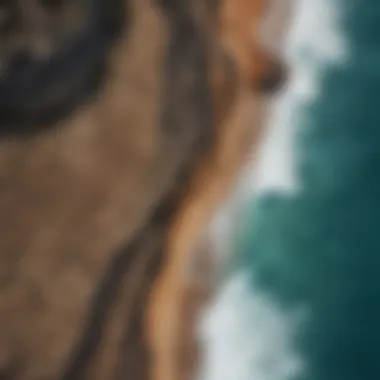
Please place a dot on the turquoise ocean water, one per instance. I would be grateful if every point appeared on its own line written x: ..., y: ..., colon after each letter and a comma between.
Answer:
x: 302, y: 300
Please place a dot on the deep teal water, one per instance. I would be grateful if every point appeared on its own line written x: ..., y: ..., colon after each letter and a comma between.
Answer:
x: 321, y: 248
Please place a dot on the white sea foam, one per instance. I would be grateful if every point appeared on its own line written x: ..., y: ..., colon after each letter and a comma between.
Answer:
x: 246, y: 337
x: 315, y: 41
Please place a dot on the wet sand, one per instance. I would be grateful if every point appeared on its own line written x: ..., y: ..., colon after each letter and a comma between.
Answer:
x: 203, y: 270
